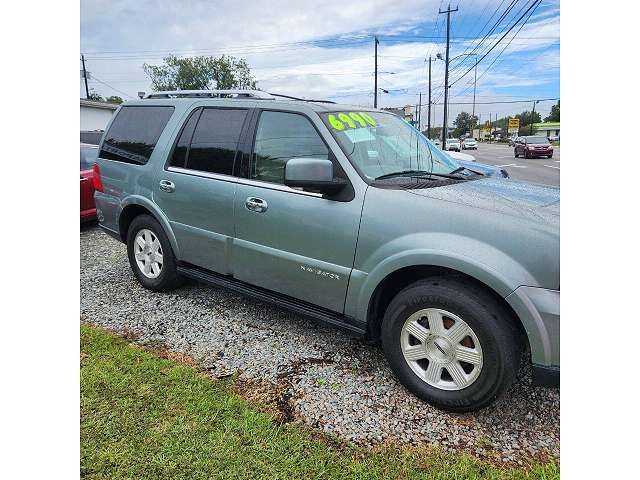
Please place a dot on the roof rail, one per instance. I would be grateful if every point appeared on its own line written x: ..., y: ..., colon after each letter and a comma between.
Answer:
x: 300, y: 99
x: 253, y: 94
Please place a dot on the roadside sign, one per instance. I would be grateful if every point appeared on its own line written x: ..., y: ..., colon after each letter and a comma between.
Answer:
x: 514, y: 123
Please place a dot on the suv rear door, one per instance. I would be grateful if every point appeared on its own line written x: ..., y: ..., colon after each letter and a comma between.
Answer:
x: 196, y: 186
x: 297, y: 243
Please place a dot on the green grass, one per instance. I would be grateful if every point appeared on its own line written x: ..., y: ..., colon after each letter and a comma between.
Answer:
x: 145, y: 417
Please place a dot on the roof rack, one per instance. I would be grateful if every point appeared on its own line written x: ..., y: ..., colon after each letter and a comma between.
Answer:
x: 300, y: 99
x: 253, y: 94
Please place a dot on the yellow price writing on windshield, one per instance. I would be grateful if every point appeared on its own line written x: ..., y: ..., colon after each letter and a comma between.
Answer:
x: 342, y: 120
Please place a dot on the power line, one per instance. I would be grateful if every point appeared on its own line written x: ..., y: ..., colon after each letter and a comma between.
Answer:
x: 93, y: 77
x: 509, y: 43
x: 535, y: 4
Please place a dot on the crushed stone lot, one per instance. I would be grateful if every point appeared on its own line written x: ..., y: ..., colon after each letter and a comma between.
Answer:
x: 313, y: 374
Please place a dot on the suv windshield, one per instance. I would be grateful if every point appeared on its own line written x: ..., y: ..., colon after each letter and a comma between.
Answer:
x: 381, y: 143
x: 537, y: 140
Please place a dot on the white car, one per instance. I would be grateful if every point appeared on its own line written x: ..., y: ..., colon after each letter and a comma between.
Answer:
x: 452, y: 144
x: 469, y: 144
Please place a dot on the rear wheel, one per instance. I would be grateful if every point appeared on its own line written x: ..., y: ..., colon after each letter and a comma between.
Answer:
x: 150, y: 255
x: 451, y: 344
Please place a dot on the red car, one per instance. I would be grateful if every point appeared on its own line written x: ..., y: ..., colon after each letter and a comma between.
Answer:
x: 88, y: 156
x: 532, y: 146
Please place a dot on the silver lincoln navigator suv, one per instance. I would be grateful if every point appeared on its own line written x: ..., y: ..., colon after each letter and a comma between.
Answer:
x: 344, y: 214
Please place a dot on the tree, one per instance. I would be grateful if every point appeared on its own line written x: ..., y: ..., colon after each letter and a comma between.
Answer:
x: 554, y: 116
x: 93, y: 95
x: 527, y: 118
x: 464, y: 123
x: 200, y: 73
x: 436, y: 132
x: 114, y: 99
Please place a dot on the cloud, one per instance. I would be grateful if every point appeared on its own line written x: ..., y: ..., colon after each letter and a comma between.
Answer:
x: 311, y: 49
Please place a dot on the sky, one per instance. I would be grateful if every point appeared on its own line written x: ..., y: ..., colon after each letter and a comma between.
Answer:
x: 325, y: 49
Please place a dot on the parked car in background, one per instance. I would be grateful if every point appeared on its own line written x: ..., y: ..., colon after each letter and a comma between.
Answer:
x: 469, y: 162
x: 469, y: 144
x: 452, y: 144
x: 92, y: 137
x: 88, y: 157
x: 436, y: 142
x: 350, y: 216
x: 533, y: 146
x: 554, y: 138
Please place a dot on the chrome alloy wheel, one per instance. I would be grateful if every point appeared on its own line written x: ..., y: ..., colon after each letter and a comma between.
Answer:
x: 441, y: 349
x: 148, y: 253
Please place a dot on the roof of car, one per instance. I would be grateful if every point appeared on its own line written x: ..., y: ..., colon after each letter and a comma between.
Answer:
x: 274, y: 101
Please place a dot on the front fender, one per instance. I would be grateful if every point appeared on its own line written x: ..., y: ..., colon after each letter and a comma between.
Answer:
x: 488, y: 265
x: 156, y: 212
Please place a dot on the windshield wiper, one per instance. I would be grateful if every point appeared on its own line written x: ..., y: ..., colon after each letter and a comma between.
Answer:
x: 403, y: 172
x: 458, y: 170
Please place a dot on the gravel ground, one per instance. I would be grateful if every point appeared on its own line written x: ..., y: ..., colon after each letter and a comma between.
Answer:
x: 317, y: 375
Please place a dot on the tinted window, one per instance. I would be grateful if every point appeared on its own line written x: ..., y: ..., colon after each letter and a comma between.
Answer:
x: 88, y: 156
x: 215, y: 140
x: 281, y: 136
x: 179, y: 156
x: 134, y: 133
x: 91, y: 137
x: 537, y: 140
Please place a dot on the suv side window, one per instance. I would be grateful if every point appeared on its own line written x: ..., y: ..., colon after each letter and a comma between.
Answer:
x: 181, y: 150
x: 134, y: 133
x: 281, y: 136
x: 215, y: 140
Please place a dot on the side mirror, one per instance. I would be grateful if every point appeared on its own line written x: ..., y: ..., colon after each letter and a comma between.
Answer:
x: 313, y: 174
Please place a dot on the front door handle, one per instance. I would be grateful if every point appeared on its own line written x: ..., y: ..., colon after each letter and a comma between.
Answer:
x: 167, y: 186
x: 256, y: 204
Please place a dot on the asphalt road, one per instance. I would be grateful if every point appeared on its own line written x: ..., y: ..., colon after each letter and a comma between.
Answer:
x: 535, y: 170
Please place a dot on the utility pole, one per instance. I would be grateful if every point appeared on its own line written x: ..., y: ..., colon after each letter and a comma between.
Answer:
x: 446, y: 74
x: 473, y: 112
x: 420, y: 112
x: 375, y: 73
x: 429, y: 107
x: 532, y: 113
x: 84, y: 74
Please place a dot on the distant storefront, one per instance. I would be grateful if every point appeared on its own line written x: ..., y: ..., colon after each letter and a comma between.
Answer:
x: 547, y: 129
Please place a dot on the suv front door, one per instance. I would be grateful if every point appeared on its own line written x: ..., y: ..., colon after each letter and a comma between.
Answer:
x: 287, y: 240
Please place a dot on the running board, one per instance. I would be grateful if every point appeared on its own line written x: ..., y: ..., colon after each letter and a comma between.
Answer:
x: 303, y: 308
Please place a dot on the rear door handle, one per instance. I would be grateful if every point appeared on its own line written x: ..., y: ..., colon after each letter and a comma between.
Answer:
x: 167, y: 186
x: 256, y: 204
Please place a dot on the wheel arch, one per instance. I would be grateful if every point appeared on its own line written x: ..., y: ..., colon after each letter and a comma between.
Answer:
x: 135, y: 206
x: 399, y: 279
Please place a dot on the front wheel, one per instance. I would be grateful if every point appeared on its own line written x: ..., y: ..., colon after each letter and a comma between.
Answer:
x: 151, y: 256
x: 451, y: 344
x: 515, y: 152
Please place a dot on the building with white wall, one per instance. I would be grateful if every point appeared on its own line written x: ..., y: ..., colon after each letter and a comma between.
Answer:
x: 95, y: 115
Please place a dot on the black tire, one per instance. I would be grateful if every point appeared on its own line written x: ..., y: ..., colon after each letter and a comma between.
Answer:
x: 515, y: 152
x: 491, y: 323
x: 168, y: 278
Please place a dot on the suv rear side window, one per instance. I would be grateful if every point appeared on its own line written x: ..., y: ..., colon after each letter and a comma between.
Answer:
x: 179, y: 157
x: 281, y: 136
x: 215, y: 140
x: 134, y: 133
